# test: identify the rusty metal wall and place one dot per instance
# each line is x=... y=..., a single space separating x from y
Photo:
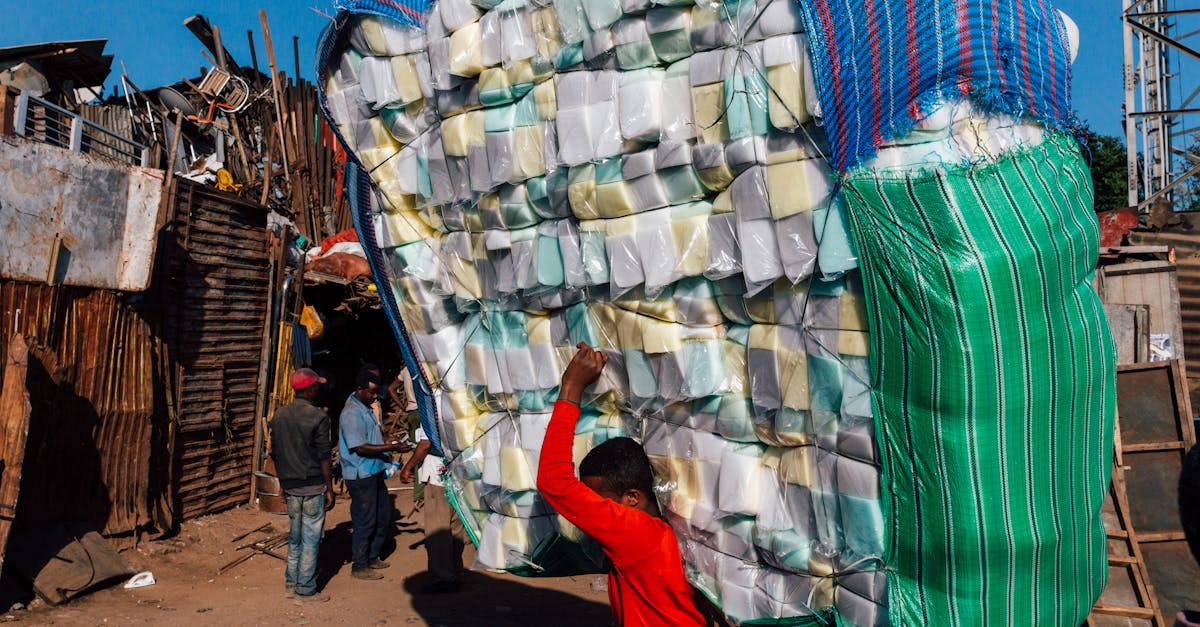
x=1187 y=261
x=99 y=434
x=215 y=290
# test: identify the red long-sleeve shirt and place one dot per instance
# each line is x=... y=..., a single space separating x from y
x=646 y=585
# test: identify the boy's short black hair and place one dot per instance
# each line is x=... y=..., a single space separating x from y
x=367 y=377
x=623 y=465
x=1189 y=499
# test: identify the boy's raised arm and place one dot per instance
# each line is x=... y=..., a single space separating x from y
x=600 y=518
x=556 y=470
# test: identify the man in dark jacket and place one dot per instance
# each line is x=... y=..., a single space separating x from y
x=301 y=447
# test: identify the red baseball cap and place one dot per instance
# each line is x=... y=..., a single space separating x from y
x=305 y=377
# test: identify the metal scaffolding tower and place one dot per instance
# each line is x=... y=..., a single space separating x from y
x=1161 y=107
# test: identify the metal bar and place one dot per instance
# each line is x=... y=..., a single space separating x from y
x=1172 y=185
x=104 y=131
x=76 y=134
x=1130 y=7
x=72 y=131
x=1157 y=14
x=1166 y=113
x=22 y=113
x=1131 y=151
x=1164 y=39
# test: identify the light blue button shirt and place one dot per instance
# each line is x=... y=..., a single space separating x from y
x=358 y=426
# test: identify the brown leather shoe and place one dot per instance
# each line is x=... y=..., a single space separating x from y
x=365 y=573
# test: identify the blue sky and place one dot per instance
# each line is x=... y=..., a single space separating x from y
x=158 y=50
x=152 y=41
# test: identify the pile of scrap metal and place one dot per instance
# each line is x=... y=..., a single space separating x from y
x=245 y=131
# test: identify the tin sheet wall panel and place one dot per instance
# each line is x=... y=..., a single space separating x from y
x=99 y=432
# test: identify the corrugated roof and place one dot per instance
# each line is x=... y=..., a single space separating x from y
x=82 y=61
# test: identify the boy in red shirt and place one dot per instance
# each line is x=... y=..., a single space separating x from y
x=614 y=504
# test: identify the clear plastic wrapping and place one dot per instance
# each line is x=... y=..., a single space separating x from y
x=571 y=171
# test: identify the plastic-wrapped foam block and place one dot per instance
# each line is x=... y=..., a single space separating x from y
x=599 y=50
x=678 y=116
x=742 y=480
x=645 y=186
x=862 y=518
x=797 y=246
x=785 y=58
x=743 y=153
x=836 y=254
x=775 y=18
x=798 y=186
x=640 y=102
x=466 y=50
x=571 y=21
x=656 y=247
x=738 y=581
x=781 y=595
x=601 y=13
x=632 y=42
x=711 y=29
x=761 y=263
x=670 y=32
x=385 y=38
x=712 y=166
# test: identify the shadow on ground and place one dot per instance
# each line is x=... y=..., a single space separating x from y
x=501 y=602
x=336 y=546
x=334 y=554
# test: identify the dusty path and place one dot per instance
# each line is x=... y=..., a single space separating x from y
x=189 y=590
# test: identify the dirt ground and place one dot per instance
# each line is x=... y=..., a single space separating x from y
x=190 y=591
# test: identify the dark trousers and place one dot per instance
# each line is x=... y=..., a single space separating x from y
x=370 y=516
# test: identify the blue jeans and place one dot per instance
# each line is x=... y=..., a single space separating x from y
x=370 y=515
x=307 y=517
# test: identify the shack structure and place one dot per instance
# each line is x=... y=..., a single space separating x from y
x=145 y=270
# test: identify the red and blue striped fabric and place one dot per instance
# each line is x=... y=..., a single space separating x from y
x=410 y=12
x=881 y=64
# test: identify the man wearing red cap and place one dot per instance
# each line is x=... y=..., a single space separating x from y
x=301 y=447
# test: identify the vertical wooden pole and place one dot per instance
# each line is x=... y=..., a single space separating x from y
x=280 y=119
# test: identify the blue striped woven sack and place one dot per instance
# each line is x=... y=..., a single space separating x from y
x=881 y=64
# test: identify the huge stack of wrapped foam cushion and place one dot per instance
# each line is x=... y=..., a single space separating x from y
x=645 y=177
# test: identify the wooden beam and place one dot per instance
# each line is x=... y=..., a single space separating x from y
x=14 y=417
x=280 y=120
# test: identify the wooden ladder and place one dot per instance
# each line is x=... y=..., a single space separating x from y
x=1128 y=557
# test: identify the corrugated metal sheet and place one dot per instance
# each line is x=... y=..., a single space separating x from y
x=76 y=219
x=215 y=290
x=99 y=436
x=1187 y=261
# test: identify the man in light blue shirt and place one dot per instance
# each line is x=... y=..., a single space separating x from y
x=364 y=455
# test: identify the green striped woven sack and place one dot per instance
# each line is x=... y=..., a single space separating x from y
x=994 y=386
